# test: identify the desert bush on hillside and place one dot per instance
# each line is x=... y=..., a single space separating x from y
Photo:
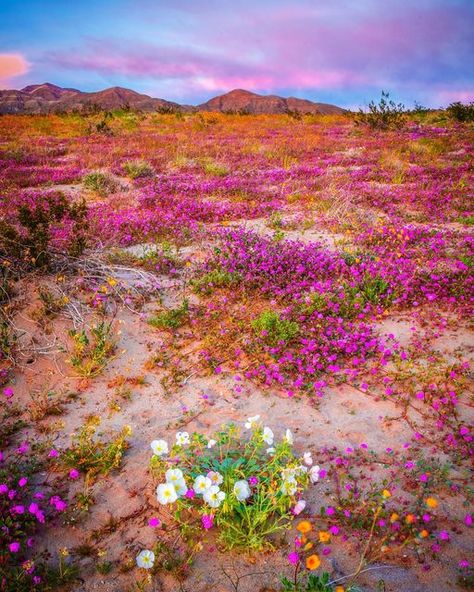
x=384 y=115
x=461 y=112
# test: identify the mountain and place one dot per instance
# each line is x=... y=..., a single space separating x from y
x=245 y=101
x=49 y=98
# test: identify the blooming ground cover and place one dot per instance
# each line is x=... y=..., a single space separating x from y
x=235 y=353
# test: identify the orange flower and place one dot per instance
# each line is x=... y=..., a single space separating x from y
x=324 y=536
x=394 y=517
x=304 y=526
x=313 y=562
x=424 y=534
x=338 y=589
x=431 y=502
x=410 y=519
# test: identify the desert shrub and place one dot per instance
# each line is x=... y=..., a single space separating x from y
x=136 y=169
x=172 y=318
x=92 y=349
x=100 y=183
x=461 y=112
x=27 y=235
x=384 y=115
x=274 y=329
x=246 y=487
x=215 y=279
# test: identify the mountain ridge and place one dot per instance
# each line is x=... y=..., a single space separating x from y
x=50 y=98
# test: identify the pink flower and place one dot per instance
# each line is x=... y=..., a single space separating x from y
x=207 y=521
x=299 y=507
x=293 y=558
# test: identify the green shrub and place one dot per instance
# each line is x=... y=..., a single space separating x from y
x=100 y=183
x=136 y=169
x=384 y=115
x=461 y=112
x=274 y=329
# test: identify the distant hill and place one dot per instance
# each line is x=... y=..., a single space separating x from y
x=248 y=102
x=49 y=98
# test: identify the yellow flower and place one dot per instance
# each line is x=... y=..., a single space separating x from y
x=313 y=562
x=431 y=502
x=112 y=281
x=64 y=552
x=304 y=526
x=339 y=589
x=394 y=517
x=386 y=493
x=324 y=536
x=308 y=546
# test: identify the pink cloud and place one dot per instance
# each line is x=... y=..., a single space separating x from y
x=11 y=65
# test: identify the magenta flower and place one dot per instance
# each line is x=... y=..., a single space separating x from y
x=74 y=474
x=293 y=558
x=207 y=521
x=14 y=547
x=154 y=522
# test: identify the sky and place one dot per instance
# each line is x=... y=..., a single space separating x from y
x=338 y=51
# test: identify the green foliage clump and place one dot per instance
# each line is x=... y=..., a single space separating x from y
x=274 y=329
x=100 y=183
x=172 y=318
x=137 y=169
x=241 y=489
x=215 y=279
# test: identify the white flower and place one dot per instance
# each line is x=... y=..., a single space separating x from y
x=182 y=438
x=271 y=451
x=211 y=443
x=252 y=422
x=174 y=475
x=268 y=436
x=289 y=486
x=307 y=459
x=145 y=559
x=176 y=478
x=214 y=496
x=202 y=484
x=241 y=490
x=159 y=447
x=181 y=487
x=288 y=473
x=299 y=507
x=314 y=473
x=166 y=493
x=215 y=477
x=289 y=437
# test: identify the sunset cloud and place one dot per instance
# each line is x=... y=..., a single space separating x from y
x=11 y=65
